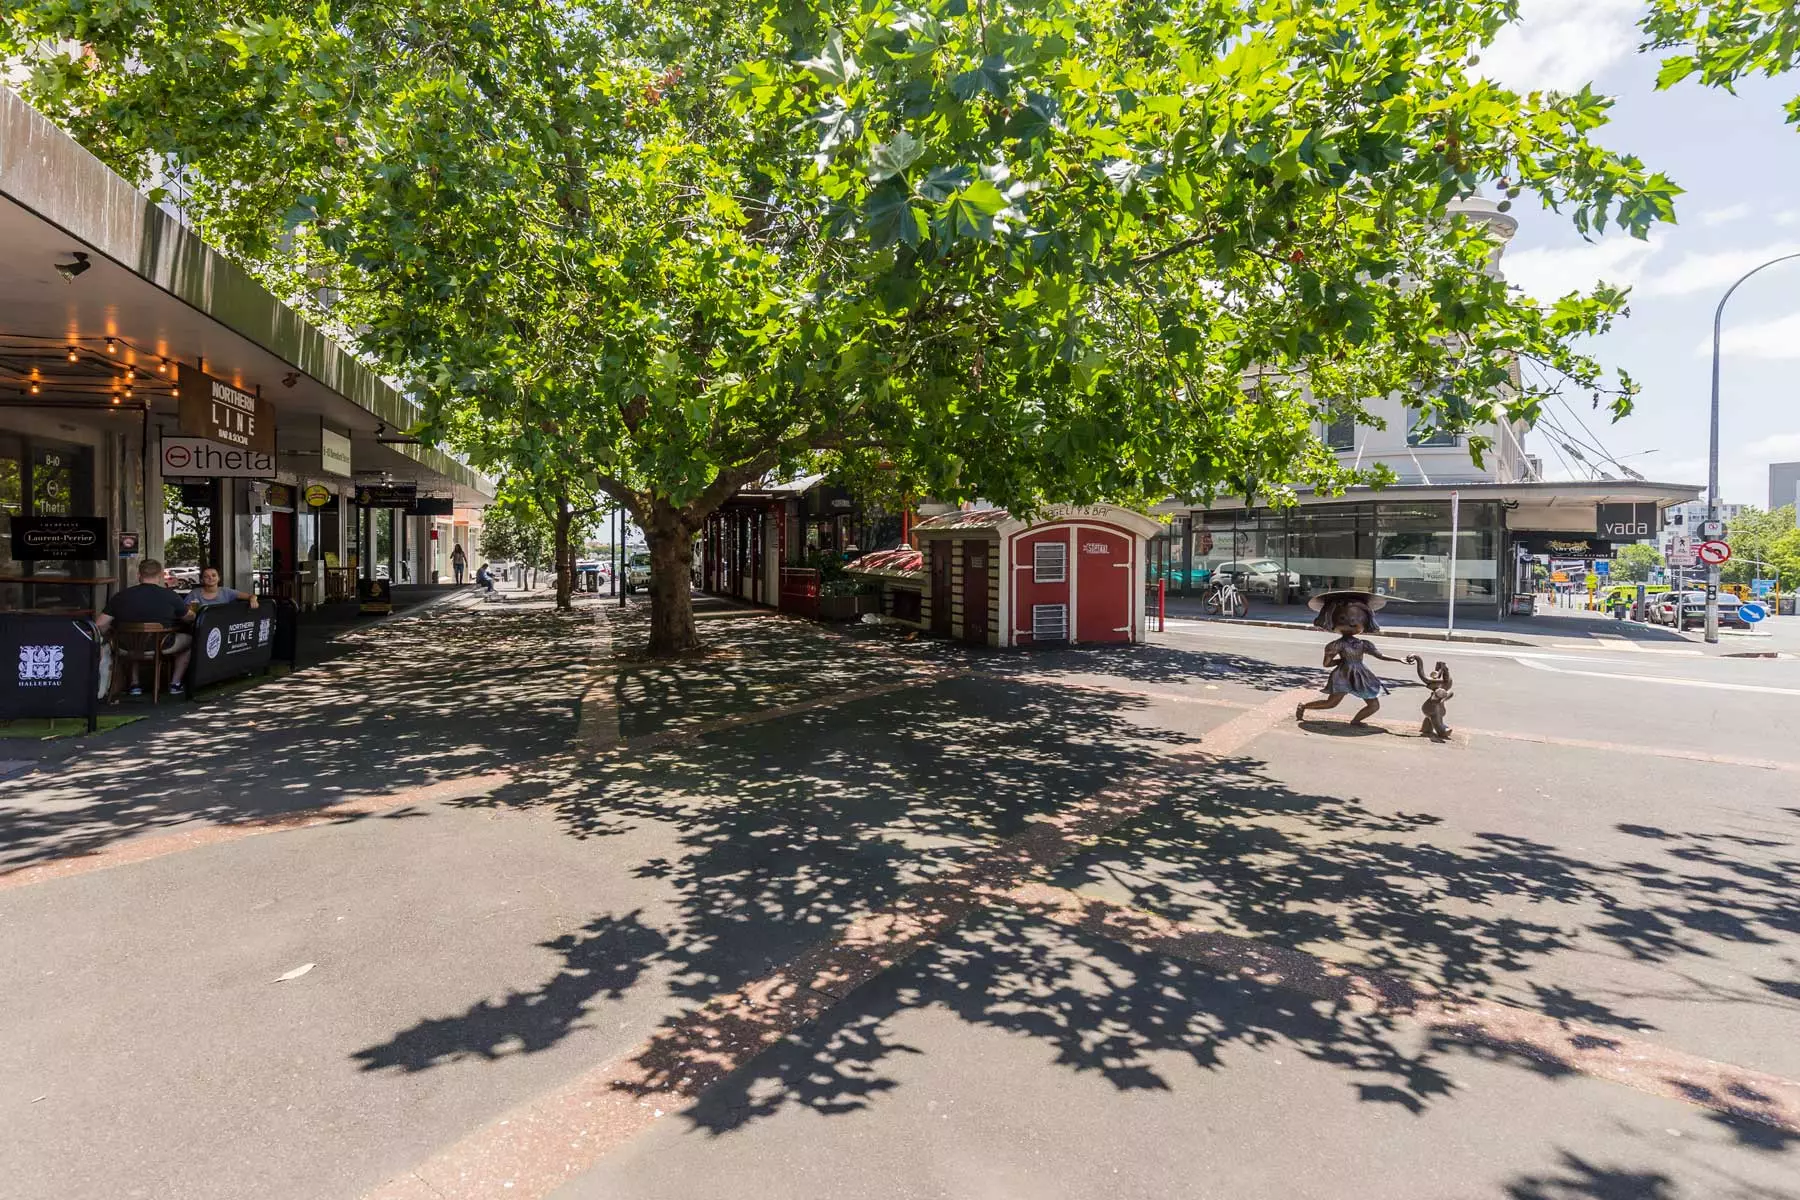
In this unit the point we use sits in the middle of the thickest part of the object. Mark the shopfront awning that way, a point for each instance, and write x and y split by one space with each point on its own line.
140 292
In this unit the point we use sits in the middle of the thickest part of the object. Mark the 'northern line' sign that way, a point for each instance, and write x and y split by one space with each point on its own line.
220 412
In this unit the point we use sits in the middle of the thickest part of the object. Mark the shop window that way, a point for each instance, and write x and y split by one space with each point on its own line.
1427 432
1340 430
1049 562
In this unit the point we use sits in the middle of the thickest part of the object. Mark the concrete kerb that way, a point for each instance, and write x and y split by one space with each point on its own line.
1387 631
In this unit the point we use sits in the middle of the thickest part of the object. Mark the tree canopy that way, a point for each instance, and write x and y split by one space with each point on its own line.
1723 41
1762 543
1069 250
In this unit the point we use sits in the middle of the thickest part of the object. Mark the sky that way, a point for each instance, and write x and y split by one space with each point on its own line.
1740 166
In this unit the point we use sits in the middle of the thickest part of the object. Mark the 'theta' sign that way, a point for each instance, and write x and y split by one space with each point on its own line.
219 412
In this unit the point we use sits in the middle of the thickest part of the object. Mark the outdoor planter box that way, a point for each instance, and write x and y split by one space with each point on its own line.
867 603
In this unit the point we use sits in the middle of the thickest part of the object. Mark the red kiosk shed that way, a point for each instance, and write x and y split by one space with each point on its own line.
1073 574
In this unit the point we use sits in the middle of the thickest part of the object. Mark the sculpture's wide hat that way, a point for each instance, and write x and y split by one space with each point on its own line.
1345 596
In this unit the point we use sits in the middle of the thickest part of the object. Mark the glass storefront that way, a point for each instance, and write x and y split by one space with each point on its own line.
1282 556
43 478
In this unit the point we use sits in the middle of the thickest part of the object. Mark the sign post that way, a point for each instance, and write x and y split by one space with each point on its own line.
1455 517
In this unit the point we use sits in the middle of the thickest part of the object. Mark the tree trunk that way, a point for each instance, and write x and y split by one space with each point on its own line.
565 557
671 583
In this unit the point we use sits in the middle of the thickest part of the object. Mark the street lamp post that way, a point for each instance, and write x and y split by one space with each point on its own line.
1712 459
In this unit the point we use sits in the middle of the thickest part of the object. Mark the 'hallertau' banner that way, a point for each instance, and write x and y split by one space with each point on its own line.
49 667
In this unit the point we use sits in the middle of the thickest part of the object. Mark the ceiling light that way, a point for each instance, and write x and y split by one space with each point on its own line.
35 389
70 270
162 368
115 399
112 347
74 355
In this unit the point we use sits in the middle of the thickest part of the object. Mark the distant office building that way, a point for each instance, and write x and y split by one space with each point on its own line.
1680 518
1784 482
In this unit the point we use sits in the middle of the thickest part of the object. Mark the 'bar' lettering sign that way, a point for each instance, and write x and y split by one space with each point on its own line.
217 411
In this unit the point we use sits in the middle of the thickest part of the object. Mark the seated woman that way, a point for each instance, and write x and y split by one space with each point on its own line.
485 578
209 592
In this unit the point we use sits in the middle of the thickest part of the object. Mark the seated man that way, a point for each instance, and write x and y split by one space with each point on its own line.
150 602
485 578
209 592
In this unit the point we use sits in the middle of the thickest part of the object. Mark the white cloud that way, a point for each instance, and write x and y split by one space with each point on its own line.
1549 273
1726 215
1777 339
1561 44
1790 217
1777 447
1711 272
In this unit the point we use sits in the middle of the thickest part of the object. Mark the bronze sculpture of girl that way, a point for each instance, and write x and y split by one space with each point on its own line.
1349 614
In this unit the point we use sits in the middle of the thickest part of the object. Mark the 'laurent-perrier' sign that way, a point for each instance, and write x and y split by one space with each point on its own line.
213 409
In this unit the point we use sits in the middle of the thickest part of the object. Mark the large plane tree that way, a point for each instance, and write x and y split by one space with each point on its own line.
1064 250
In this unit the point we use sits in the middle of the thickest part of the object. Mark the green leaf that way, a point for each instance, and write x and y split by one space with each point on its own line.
834 64
892 157
890 218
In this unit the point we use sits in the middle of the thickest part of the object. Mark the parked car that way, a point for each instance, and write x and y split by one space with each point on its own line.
1688 610
637 571
1260 577
184 576
1434 567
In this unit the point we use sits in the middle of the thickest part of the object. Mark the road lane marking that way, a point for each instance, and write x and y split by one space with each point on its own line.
534 1148
1602 1053
1715 684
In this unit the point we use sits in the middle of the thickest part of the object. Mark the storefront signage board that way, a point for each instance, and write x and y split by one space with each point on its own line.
198 458
231 640
1565 545
386 495
432 506
1626 522
59 539
219 412
374 596
334 453
317 495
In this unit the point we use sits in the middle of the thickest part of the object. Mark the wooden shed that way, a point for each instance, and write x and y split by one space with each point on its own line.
1070 575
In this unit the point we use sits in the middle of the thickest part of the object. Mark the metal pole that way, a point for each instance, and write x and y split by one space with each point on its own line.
1712 459
1455 520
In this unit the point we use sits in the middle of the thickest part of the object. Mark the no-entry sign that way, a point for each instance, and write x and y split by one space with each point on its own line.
1713 554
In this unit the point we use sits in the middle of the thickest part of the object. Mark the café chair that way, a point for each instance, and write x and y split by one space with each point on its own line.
134 643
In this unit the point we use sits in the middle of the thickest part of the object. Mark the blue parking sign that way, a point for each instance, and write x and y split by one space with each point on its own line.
1602 567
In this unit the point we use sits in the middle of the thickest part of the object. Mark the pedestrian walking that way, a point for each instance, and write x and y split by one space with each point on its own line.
459 562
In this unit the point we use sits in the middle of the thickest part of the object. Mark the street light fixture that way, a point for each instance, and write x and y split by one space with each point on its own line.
1712 460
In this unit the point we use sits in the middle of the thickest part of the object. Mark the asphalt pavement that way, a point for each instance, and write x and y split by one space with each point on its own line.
493 906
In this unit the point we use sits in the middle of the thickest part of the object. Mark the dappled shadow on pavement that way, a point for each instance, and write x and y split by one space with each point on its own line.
1328 874
443 694
774 837
773 841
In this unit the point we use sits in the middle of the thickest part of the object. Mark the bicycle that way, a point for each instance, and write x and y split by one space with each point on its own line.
1223 599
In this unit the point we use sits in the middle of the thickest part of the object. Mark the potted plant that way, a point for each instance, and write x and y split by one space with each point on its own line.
838 599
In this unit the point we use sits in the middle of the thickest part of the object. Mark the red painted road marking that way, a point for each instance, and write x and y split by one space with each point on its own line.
143 849
543 1143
